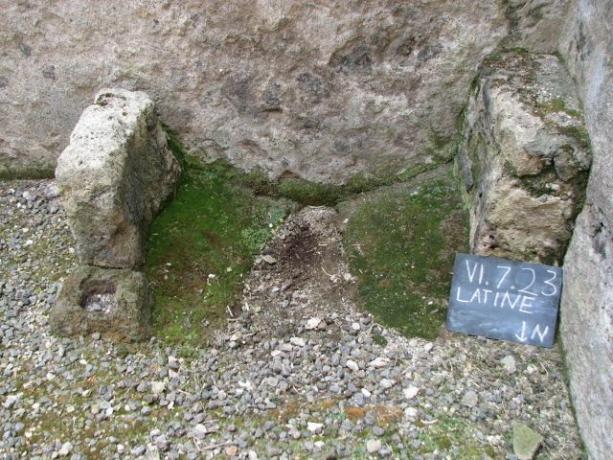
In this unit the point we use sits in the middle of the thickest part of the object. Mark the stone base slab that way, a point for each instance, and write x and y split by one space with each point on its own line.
113 302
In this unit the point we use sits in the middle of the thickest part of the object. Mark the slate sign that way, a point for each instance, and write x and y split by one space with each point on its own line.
503 299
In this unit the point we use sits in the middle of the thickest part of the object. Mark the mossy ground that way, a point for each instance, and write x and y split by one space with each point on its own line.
456 436
204 242
201 246
401 245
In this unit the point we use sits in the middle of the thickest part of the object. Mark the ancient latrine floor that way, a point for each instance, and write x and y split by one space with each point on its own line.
301 373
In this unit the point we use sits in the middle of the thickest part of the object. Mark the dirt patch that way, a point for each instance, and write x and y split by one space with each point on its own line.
299 250
301 274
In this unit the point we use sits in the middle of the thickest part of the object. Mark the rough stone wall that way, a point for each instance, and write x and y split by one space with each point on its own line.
524 156
587 301
322 89
535 25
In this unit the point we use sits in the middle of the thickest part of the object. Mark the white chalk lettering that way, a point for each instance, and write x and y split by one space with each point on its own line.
554 289
522 337
541 334
511 302
476 295
507 270
471 276
496 298
526 305
459 290
525 290
486 292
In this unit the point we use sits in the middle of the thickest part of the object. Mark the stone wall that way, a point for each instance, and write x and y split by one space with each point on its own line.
321 89
587 301
525 157
521 209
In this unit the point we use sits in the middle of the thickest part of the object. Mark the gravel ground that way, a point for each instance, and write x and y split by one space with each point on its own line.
329 384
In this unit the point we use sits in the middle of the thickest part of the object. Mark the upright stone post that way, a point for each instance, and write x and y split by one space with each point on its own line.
114 177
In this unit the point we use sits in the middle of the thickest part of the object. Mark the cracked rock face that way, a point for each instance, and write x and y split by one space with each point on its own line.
525 158
587 300
322 89
114 176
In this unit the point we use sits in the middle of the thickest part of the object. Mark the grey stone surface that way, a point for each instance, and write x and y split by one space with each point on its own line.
322 89
114 176
587 328
525 155
526 441
129 317
535 25
587 301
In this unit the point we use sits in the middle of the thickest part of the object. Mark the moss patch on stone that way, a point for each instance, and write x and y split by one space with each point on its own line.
308 193
558 105
401 244
32 172
201 246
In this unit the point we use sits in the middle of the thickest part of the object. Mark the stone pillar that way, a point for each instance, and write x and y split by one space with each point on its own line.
525 157
114 177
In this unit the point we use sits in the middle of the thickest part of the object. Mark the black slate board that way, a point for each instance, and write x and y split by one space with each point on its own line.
504 299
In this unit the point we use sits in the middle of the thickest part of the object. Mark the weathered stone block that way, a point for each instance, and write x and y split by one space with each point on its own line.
587 300
587 327
525 156
114 176
323 90
114 302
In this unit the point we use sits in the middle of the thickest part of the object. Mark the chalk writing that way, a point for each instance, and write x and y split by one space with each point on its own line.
503 299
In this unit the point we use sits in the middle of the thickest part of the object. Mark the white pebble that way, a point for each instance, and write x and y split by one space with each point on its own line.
373 446
65 449
378 362
315 427
410 392
298 341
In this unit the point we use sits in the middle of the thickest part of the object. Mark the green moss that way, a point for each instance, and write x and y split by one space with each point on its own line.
379 339
556 105
201 246
258 181
365 182
401 245
577 132
310 193
455 435
31 172
175 146
518 50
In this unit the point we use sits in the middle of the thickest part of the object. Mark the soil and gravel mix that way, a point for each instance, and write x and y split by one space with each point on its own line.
298 372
